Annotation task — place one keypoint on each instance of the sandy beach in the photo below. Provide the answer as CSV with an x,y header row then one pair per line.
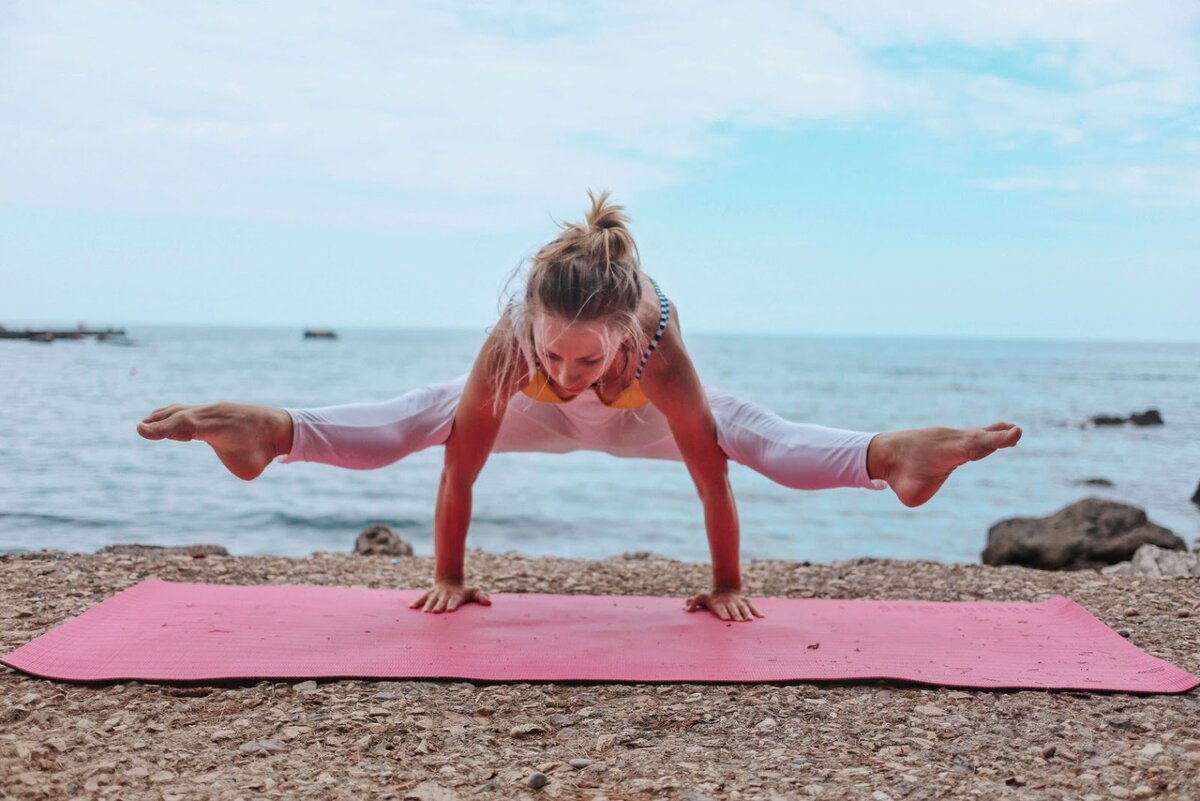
x,y
436,740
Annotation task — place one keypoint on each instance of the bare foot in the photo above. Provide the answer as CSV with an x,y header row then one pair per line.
x,y
246,438
917,463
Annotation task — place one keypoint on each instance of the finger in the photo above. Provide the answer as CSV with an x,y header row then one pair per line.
x,y
722,612
419,601
754,609
739,613
481,597
454,602
441,605
430,602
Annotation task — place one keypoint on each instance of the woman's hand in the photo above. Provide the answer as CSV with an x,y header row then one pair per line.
x,y
726,604
446,596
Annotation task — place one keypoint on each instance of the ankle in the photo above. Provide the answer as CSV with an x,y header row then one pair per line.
x,y
881,453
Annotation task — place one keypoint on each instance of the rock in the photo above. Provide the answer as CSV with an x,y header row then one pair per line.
x,y
137,549
526,730
305,686
379,540
1155,562
261,747
430,791
1089,534
1150,417
560,721
1196,496
1095,482
538,780
929,710
579,764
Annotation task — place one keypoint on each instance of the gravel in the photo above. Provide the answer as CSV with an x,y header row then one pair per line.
x,y
439,740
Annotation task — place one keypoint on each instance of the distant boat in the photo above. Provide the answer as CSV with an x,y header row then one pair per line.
x,y
320,333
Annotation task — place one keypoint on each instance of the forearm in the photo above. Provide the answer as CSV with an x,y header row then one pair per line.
x,y
721,523
450,522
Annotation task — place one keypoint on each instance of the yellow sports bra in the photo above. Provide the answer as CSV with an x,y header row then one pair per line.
x,y
632,396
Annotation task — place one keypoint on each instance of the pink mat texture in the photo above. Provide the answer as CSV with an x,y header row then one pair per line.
x,y
170,631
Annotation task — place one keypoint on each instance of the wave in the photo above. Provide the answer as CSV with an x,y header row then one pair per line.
x,y
39,519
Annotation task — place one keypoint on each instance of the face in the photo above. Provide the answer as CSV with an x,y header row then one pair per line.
x,y
574,356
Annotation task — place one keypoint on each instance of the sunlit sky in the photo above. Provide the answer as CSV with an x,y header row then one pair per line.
x,y
1015,169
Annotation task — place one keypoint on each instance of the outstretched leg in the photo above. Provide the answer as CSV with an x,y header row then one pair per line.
x,y
914,463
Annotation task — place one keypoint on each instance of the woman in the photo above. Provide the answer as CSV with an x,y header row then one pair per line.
x,y
591,356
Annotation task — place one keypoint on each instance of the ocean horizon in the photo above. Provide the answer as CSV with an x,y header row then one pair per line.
x,y
80,477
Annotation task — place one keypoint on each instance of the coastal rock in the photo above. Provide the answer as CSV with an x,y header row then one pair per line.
x,y
1150,417
138,549
379,540
1196,496
1089,534
1095,482
1154,562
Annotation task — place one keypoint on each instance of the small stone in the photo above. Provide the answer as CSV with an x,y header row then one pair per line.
x,y
261,747
766,724
137,773
1126,633
305,687
559,721
1049,751
880,795
1131,613
1183,613
526,730
162,776
538,780
579,764
1118,791
221,734
930,710
1152,749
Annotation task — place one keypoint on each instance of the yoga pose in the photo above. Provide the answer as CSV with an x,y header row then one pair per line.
x,y
589,356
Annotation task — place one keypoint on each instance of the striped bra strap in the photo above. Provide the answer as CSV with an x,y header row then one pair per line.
x,y
664,314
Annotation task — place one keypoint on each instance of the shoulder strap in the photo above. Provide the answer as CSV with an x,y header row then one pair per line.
x,y
664,315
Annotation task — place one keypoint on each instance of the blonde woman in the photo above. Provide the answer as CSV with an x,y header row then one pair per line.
x,y
589,355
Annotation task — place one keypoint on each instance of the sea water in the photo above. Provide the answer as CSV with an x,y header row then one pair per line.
x,y
76,475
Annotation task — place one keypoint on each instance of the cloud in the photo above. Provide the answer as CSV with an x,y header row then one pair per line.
x,y
437,115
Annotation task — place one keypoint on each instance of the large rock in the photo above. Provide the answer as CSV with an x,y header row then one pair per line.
x,y
1155,562
379,540
1150,417
1089,534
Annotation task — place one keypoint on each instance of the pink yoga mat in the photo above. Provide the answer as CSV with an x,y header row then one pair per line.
x,y
167,631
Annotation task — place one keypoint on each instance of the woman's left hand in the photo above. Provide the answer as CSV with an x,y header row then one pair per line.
x,y
726,604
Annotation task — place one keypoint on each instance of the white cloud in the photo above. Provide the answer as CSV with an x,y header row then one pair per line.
x,y
408,113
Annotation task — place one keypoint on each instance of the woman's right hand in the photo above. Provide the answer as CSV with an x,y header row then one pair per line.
x,y
446,596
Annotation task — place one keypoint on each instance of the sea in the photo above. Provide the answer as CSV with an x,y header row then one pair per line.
x,y
76,476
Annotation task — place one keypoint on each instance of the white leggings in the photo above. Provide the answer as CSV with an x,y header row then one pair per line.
x,y
363,436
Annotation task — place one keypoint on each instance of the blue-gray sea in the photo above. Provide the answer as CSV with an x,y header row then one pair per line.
x,y
76,476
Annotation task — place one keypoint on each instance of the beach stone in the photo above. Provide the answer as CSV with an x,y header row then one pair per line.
x,y
137,549
1089,534
379,540
1152,561
430,791
579,764
261,747
305,686
538,780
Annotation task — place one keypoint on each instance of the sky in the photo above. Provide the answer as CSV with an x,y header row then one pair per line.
x,y
968,169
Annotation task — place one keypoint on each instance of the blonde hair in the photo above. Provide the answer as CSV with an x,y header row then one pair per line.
x,y
591,272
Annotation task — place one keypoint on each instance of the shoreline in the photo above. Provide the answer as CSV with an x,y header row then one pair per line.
x,y
449,739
